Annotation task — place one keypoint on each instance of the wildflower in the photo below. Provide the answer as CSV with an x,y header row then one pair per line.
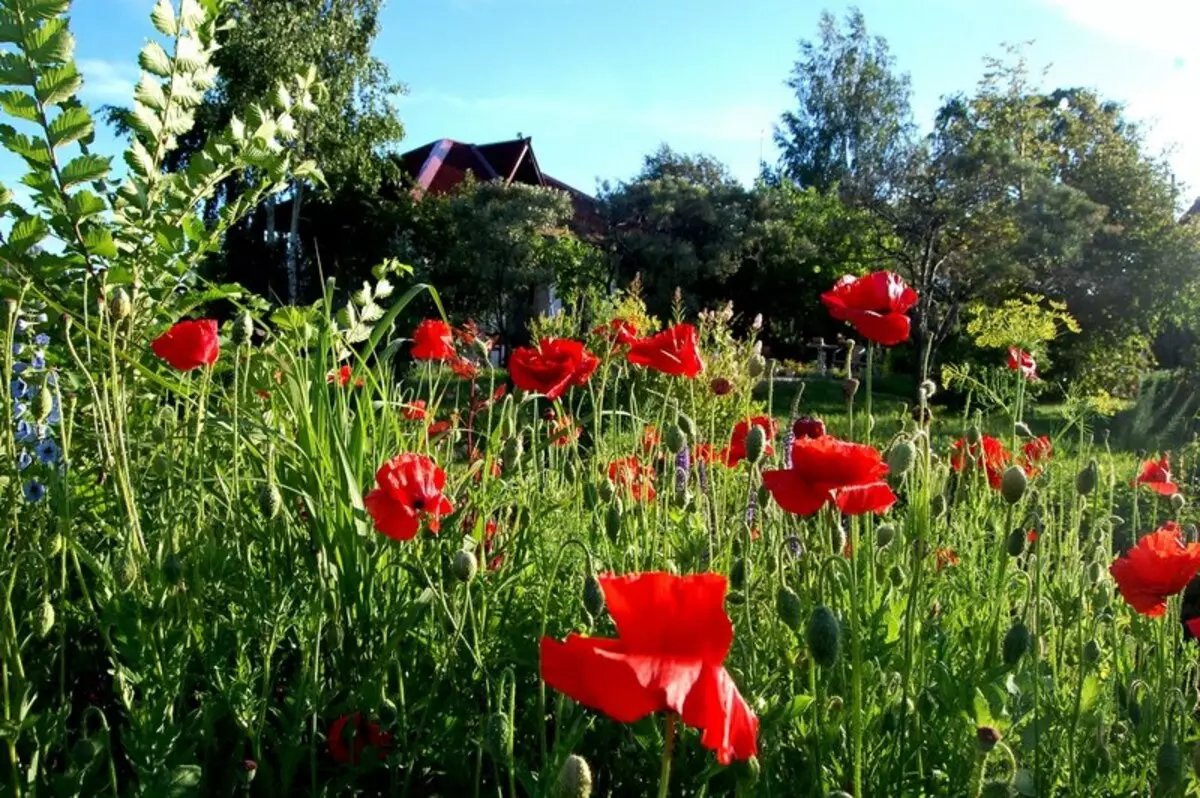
x,y
683,469
18,348
26,431
720,386
944,557
552,367
875,305
824,470
1022,361
41,340
1156,475
20,389
24,460
674,351
618,332
1037,451
737,440
438,428
989,454
628,472
38,361
414,410
350,735
189,344
673,637
1158,567
47,451
34,491
409,487
464,368
650,439
342,377
433,340
707,453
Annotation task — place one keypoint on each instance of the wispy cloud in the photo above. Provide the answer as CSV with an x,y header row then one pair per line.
x,y
107,81
1167,27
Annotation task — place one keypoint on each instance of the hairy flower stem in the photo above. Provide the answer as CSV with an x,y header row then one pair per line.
x,y
998,590
856,672
664,774
869,379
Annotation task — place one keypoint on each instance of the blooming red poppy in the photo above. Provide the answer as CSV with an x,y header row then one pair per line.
x,y
876,305
736,452
464,368
674,351
650,439
342,377
414,410
943,557
617,332
807,427
1037,451
189,344
350,735
1022,361
1156,475
989,454
1158,567
553,366
630,473
830,470
433,340
409,487
673,635
439,428
706,452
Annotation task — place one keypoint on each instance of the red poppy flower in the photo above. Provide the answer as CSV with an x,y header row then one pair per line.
x,y
988,454
673,637
464,368
807,427
563,431
1158,567
1022,361
1037,451
433,340
736,452
830,470
617,332
708,453
489,544
629,473
876,305
439,428
650,439
414,410
674,351
944,557
342,377
189,344
720,386
262,395
409,488
350,735
1156,475
1032,536
555,365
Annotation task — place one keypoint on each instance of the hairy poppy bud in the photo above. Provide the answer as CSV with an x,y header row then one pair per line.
x,y
837,538
756,366
125,570
974,436
85,751
161,465
937,505
688,426
823,636
849,388
514,447
1086,479
987,737
249,770
884,533
1103,596
996,789
612,519
45,402
676,438
1013,484
1095,573
593,596
1091,652
748,771
740,573
43,619
243,328
756,441
928,389
575,779
787,605
608,491
119,304
270,501
159,434
497,736
465,566
1023,429
836,704
1016,542
55,546
1169,763
1016,643
896,574
900,458
1178,502
388,714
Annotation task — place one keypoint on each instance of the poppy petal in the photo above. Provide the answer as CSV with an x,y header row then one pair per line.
x,y
727,724
594,672
876,497
671,615
886,329
793,493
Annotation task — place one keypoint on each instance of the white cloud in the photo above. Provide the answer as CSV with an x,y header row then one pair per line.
x,y
1167,27
107,81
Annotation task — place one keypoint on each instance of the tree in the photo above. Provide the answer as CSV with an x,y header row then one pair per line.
x,y
852,126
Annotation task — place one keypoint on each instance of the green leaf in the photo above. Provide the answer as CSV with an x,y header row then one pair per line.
x,y
50,43
182,782
192,15
83,204
85,169
19,104
45,9
145,122
71,125
56,85
14,71
33,151
138,159
149,92
154,59
99,241
10,30
163,18
27,233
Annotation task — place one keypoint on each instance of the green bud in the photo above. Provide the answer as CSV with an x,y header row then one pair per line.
x,y
270,501
676,438
593,596
514,447
1169,763
986,738
243,328
756,366
837,538
1016,542
1103,596
974,436
896,574
591,495
740,573
465,566
161,465
823,636
884,534
1016,643
756,441
43,618
900,458
55,546
85,751
688,426
996,789
1178,502
764,497
575,779
45,402
1013,484
1086,479
388,714
787,605
608,491
119,304
497,736
1095,573
125,570
612,519
748,772
849,388
1023,430
937,505
1091,652
159,434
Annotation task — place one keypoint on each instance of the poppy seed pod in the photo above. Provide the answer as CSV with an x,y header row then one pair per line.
x,y
1086,479
575,779
900,458
593,596
1016,643
270,502
119,304
756,441
496,736
1178,502
884,534
243,328
465,566
987,737
676,438
612,519
1013,484
787,605
1015,544
43,619
1169,764
823,636
756,366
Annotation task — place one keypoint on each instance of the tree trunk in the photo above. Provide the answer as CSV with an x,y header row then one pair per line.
x,y
293,245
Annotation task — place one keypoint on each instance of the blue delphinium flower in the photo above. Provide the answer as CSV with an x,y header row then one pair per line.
x,y
34,491
26,432
18,348
19,367
22,325
20,389
19,409
24,460
55,416
38,361
48,451
41,339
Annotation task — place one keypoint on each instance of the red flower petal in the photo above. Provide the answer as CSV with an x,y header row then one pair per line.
x,y
189,344
674,351
667,614
594,672
876,497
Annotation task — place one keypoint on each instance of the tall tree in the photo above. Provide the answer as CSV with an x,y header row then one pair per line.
x,y
852,125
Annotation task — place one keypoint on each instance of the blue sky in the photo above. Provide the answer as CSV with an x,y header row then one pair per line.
x,y
600,83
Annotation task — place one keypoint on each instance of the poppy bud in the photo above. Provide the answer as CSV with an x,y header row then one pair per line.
x,y
896,574
849,388
823,636
836,704
808,427
1016,542
974,436
159,434
987,737
85,751
1178,502
1103,596
496,736
270,501
837,538
43,618
1023,429
748,771
612,519
756,366
465,566
55,545
243,328
1190,533
173,569
249,770
608,491
937,505
119,304
593,596
756,441
928,388
996,789
740,573
575,779
721,386
688,426
676,439
900,458
1169,763
45,403
161,465
1091,652
125,570
388,714
1085,480
1095,573
884,533
757,323
1013,484
514,447
1016,643
787,605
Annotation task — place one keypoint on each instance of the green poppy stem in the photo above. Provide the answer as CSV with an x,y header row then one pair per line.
x,y
664,777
